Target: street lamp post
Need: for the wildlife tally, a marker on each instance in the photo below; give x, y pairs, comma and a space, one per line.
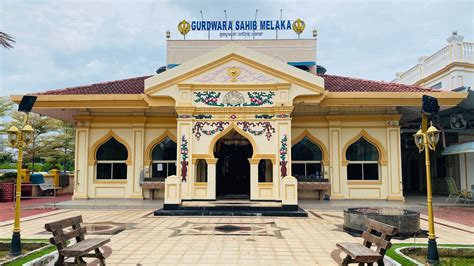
20, 139
427, 140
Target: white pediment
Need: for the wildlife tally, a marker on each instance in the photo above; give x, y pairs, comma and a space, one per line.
247, 74
237, 68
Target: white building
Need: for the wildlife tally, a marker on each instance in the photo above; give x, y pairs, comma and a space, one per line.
450, 68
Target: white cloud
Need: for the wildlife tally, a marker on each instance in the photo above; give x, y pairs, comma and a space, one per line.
70, 43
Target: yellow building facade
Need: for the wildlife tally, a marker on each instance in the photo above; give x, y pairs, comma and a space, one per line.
237, 123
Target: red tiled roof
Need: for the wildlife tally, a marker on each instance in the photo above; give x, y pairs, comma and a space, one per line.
123, 86
346, 84
331, 83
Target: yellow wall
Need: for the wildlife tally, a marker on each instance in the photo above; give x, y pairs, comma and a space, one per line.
337, 133
136, 136
334, 133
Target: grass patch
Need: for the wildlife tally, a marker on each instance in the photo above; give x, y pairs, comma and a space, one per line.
31, 256
29, 240
403, 261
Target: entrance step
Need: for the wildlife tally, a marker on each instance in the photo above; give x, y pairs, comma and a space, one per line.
231, 208
236, 196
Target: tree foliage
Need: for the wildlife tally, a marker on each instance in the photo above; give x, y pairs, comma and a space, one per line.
6, 40
58, 148
53, 141
6, 105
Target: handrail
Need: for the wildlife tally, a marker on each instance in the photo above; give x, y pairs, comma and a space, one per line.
428, 65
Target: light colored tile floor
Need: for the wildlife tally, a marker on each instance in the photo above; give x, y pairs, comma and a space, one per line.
307, 241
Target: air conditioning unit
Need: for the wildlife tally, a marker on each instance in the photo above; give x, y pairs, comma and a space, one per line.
458, 121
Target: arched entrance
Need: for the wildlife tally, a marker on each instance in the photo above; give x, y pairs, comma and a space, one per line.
233, 168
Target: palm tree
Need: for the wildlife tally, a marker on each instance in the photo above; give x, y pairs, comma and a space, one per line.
6, 40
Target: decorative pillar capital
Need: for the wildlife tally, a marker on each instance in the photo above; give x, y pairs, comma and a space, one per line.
185, 111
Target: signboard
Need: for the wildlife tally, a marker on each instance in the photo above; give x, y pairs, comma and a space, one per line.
241, 27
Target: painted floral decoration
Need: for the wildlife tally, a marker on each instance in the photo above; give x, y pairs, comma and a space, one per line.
264, 116
201, 116
258, 98
258, 128
234, 98
283, 154
210, 98
215, 127
184, 158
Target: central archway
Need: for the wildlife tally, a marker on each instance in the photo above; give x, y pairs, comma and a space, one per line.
233, 167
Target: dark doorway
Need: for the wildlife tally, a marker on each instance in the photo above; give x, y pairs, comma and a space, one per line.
233, 168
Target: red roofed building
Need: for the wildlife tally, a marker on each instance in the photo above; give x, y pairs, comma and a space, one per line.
246, 119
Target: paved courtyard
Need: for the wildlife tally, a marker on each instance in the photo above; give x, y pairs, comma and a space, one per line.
150, 240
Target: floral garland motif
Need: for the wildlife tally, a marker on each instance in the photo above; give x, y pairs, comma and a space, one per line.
201, 116
208, 98
216, 127
234, 98
283, 154
184, 158
264, 116
282, 116
250, 128
258, 98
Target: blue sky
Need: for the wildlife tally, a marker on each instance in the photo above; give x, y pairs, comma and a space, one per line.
70, 43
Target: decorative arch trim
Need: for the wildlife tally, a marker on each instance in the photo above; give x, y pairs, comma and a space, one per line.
104, 139
371, 140
324, 149
234, 126
149, 148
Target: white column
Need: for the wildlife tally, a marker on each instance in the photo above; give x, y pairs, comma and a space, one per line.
395, 189
211, 178
284, 129
276, 180
254, 179
81, 163
335, 175
184, 131
137, 163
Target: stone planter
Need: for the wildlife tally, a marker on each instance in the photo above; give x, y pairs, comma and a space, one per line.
407, 221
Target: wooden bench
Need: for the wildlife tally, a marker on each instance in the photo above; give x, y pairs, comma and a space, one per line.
378, 234
320, 187
78, 250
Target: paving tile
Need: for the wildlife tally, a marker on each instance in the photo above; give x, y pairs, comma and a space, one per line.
307, 241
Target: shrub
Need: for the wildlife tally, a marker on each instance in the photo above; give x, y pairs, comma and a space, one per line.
8, 177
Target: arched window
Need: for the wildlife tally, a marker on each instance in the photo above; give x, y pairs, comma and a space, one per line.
362, 158
163, 158
265, 171
201, 170
306, 161
111, 157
